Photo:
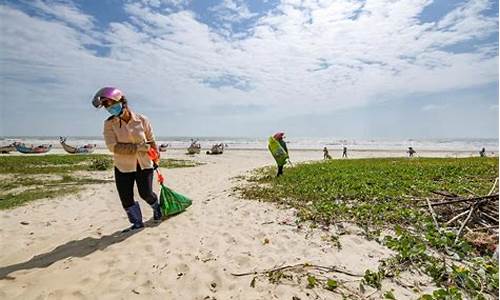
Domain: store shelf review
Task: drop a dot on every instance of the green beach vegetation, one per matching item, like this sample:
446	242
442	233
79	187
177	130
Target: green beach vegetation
387	198
28	178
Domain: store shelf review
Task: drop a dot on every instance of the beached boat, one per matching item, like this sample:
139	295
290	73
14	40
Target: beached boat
7	148
23	148
194	148
88	148
216	149
163	147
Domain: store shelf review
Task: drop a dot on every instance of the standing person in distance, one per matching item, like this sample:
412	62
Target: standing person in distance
411	152
482	153
326	155
129	136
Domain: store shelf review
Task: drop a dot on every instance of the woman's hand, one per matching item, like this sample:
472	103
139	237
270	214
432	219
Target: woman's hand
154	155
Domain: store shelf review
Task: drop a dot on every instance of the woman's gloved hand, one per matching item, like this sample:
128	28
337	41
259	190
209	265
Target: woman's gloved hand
154	155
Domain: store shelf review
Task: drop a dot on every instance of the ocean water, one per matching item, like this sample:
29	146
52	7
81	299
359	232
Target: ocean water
307	143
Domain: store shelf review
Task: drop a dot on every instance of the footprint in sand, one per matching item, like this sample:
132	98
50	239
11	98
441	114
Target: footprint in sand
78	295
148	248
85	281
181	268
245	213
164	242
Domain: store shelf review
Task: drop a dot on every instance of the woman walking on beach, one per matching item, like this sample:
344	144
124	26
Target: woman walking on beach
129	136
280	138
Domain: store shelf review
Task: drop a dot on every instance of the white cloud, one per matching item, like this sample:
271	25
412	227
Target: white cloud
233	11
66	12
158	3
313	56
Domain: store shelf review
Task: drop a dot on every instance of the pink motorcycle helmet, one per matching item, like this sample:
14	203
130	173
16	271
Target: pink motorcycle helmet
106	93
279	136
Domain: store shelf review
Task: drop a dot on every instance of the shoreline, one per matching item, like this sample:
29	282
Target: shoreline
336	154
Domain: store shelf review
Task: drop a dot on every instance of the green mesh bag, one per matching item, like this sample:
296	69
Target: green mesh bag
172	203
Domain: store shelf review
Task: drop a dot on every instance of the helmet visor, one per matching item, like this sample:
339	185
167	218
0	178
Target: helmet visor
97	101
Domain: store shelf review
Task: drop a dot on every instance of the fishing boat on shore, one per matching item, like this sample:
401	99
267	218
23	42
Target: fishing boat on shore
7	148
85	149
216	149
23	148
163	147
194	148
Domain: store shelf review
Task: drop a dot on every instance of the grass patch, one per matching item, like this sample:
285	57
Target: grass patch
53	163
12	200
369	191
31	178
171	163
379	193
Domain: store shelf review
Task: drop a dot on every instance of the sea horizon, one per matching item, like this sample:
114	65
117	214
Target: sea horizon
306	143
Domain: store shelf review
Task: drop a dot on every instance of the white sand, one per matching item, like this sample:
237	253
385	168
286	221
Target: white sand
71	248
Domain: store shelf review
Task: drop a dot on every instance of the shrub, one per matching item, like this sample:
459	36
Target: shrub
100	164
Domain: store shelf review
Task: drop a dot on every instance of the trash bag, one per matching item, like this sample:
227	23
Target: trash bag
171	202
279	154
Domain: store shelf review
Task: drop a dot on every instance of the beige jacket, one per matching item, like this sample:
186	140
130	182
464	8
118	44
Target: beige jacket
138	130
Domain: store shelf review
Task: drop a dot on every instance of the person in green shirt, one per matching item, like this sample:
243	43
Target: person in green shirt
280	138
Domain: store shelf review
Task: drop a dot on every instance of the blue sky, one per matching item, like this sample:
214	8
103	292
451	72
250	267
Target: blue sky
343	68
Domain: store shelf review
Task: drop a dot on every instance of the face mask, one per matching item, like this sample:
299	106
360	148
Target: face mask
115	109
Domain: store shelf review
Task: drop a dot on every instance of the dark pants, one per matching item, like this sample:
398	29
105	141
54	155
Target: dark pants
280	170
125	185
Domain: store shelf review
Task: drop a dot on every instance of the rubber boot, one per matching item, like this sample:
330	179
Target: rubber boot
134	215
156	211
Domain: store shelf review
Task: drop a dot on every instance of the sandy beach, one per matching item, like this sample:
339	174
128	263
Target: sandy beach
71	247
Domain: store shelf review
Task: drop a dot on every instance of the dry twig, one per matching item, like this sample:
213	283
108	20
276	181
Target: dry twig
493	187
456	217
433	214
471	211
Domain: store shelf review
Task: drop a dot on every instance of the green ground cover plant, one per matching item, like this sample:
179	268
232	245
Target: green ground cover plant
28	178
381	194
171	163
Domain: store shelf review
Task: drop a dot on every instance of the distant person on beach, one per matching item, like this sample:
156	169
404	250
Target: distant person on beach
326	155
411	152
344	152
482	153
280	138
129	136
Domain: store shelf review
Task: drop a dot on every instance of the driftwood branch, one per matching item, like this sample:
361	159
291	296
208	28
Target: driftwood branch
473	199
489	217
332	269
